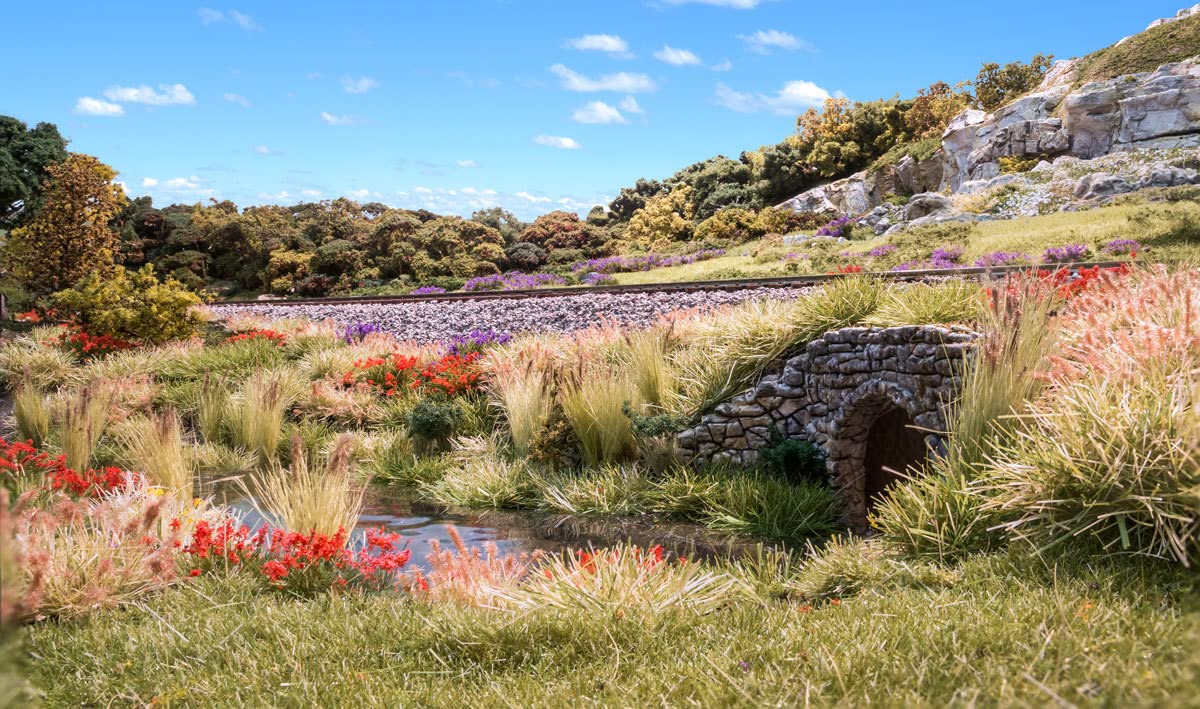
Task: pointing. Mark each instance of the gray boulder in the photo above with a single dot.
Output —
(922, 205)
(1101, 185)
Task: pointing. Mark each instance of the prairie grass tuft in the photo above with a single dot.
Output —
(611, 490)
(31, 412)
(482, 477)
(84, 420)
(956, 301)
(308, 498)
(469, 575)
(154, 447)
(593, 399)
(46, 366)
(646, 354)
(257, 414)
(213, 409)
(523, 387)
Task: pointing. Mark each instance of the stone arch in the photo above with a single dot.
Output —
(881, 413)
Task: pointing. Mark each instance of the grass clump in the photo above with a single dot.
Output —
(31, 413)
(324, 499)
(482, 477)
(1146, 51)
(154, 447)
(256, 417)
(952, 302)
(84, 420)
(593, 401)
(523, 388)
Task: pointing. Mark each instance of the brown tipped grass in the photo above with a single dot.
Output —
(482, 477)
(213, 409)
(646, 354)
(257, 414)
(154, 447)
(31, 413)
(525, 392)
(309, 498)
(612, 490)
(593, 398)
(46, 366)
(469, 575)
(956, 301)
(84, 420)
(620, 582)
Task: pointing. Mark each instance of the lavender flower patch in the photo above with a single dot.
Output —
(945, 257)
(428, 290)
(1121, 247)
(432, 320)
(836, 228)
(475, 341)
(513, 280)
(357, 332)
(1001, 258)
(1066, 254)
(881, 251)
(598, 279)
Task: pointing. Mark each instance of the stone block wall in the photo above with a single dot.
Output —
(832, 394)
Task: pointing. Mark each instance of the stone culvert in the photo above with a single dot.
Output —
(871, 399)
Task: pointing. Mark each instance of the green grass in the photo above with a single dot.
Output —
(1003, 630)
(1170, 229)
(1146, 51)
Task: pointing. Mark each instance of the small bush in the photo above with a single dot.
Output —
(434, 420)
(131, 306)
(793, 459)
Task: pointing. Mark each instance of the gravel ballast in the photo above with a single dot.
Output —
(437, 320)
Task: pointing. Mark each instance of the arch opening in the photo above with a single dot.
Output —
(891, 449)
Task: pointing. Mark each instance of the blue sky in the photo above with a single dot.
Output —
(530, 104)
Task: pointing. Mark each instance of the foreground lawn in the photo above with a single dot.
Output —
(998, 631)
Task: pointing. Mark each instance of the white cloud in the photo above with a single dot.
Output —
(622, 82)
(763, 41)
(531, 198)
(124, 187)
(312, 75)
(597, 112)
(311, 193)
(608, 43)
(168, 95)
(467, 163)
(736, 4)
(676, 57)
(359, 86)
(794, 96)
(149, 182)
(246, 22)
(359, 194)
(335, 120)
(557, 141)
(422, 190)
(723, 66)
(630, 104)
(238, 99)
(209, 16)
(184, 183)
(88, 106)
(262, 150)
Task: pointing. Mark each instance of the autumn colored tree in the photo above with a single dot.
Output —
(996, 85)
(664, 219)
(555, 231)
(933, 108)
(70, 236)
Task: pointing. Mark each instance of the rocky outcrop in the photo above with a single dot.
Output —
(1158, 109)
(863, 190)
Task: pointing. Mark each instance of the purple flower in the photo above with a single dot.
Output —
(1000, 258)
(945, 257)
(428, 290)
(793, 256)
(598, 279)
(475, 341)
(837, 227)
(908, 266)
(513, 280)
(1120, 247)
(644, 262)
(358, 332)
(1066, 254)
(881, 251)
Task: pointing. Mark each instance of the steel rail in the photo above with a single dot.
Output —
(673, 287)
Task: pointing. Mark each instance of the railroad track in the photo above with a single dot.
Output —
(676, 287)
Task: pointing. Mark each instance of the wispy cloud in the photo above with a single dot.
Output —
(794, 96)
(723, 66)
(557, 141)
(597, 112)
(467, 163)
(532, 197)
(359, 86)
(764, 41)
(149, 182)
(209, 16)
(263, 150)
(621, 82)
(337, 120)
(167, 95)
(677, 57)
(736, 4)
(607, 43)
(630, 104)
(238, 99)
(88, 106)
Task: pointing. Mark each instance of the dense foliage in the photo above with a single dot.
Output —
(133, 306)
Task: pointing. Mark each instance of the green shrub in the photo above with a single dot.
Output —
(793, 459)
(131, 306)
(434, 420)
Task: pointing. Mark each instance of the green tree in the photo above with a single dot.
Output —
(131, 306)
(996, 85)
(25, 156)
(631, 199)
(556, 231)
(448, 246)
(71, 235)
(502, 221)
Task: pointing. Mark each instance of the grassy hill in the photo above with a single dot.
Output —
(1172, 42)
